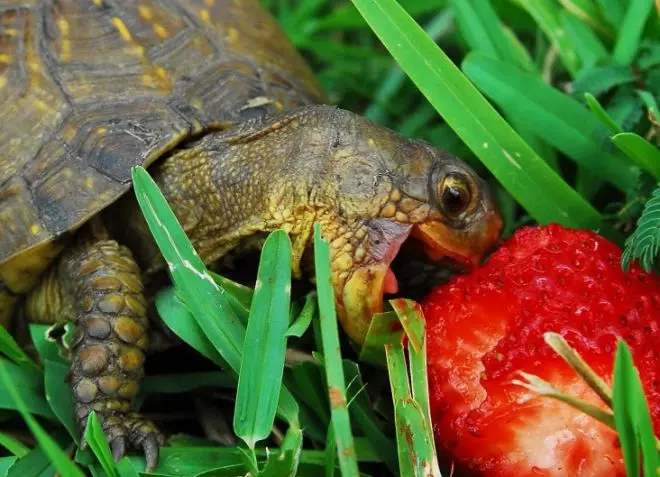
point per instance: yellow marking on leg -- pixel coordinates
(3, 81)
(122, 29)
(205, 15)
(63, 25)
(10, 31)
(148, 80)
(89, 182)
(5, 58)
(35, 229)
(65, 54)
(101, 130)
(234, 36)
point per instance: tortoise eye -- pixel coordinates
(455, 194)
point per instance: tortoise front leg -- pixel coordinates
(102, 282)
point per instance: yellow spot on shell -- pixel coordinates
(65, 54)
(371, 142)
(209, 3)
(233, 34)
(122, 29)
(5, 58)
(147, 80)
(205, 15)
(89, 182)
(35, 229)
(3, 81)
(101, 130)
(10, 31)
(137, 50)
(196, 103)
(160, 31)
(145, 12)
(98, 3)
(63, 25)
(41, 105)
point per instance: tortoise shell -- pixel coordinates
(91, 88)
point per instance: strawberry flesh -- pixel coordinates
(486, 326)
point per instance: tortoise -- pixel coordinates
(212, 96)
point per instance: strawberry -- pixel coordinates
(486, 326)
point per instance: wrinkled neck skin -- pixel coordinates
(274, 172)
(315, 164)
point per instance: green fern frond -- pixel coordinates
(644, 244)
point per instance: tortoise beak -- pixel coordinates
(361, 295)
(466, 247)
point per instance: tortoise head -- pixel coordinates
(391, 189)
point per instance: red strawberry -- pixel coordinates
(486, 326)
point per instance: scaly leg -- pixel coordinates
(98, 282)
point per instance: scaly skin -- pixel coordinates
(368, 187)
(97, 284)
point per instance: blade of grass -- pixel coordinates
(640, 151)
(416, 451)
(98, 442)
(546, 14)
(383, 329)
(24, 380)
(587, 44)
(260, 377)
(627, 42)
(529, 179)
(555, 117)
(301, 324)
(13, 445)
(624, 416)
(57, 456)
(589, 13)
(601, 114)
(207, 302)
(340, 418)
(613, 10)
(11, 350)
(285, 462)
(179, 319)
(483, 31)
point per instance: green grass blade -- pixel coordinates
(304, 319)
(239, 296)
(640, 151)
(599, 80)
(527, 177)
(601, 114)
(200, 294)
(60, 396)
(57, 456)
(203, 297)
(415, 448)
(546, 14)
(589, 13)
(363, 414)
(587, 44)
(13, 445)
(179, 319)
(334, 370)
(330, 453)
(30, 390)
(630, 411)
(5, 464)
(630, 33)
(260, 378)
(11, 350)
(555, 117)
(383, 329)
(97, 441)
(412, 318)
(285, 462)
(483, 31)
(613, 10)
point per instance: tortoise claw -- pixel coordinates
(151, 448)
(118, 448)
